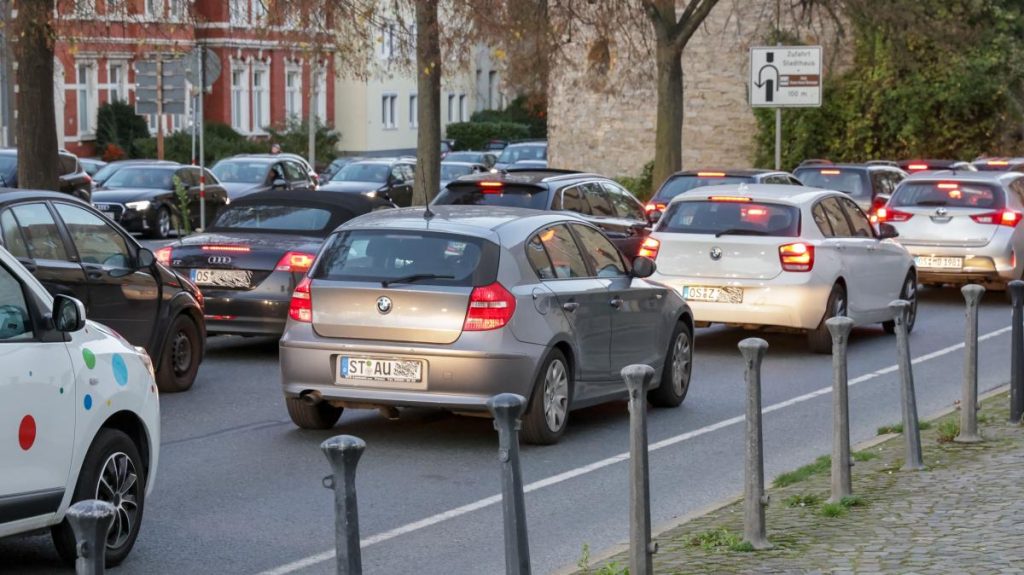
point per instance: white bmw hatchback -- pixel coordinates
(780, 256)
(79, 416)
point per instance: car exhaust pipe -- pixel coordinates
(311, 397)
(389, 412)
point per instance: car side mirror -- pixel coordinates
(643, 267)
(887, 231)
(145, 258)
(68, 314)
(279, 183)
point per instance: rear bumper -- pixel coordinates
(992, 263)
(245, 313)
(457, 376)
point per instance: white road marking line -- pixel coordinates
(572, 473)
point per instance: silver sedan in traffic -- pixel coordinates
(446, 308)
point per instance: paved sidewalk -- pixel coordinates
(964, 514)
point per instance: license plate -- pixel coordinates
(373, 369)
(222, 278)
(713, 294)
(939, 262)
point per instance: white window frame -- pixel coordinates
(241, 94)
(89, 93)
(386, 50)
(388, 105)
(116, 90)
(238, 12)
(260, 98)
(293, 93)
(258, 11)
(414, 111)
(151, 6)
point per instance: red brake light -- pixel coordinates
(948, 186)
(301, 306)
(490, 307)
(891, 215)
(998, 163)
(234, 249)
(163, 255)
(831, 172)
(917, 167)
(654, 207)
(1007, 218)
(649, 249)
(728, 199)
(710, 174)
(295, 262)
(796, 257)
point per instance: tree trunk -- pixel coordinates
(668, 143)
(428, 88)
(36, 127)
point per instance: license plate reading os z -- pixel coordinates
(222, 278)
(728, 294)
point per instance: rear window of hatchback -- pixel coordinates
(681, 184)
(731, 216)
(948, 195)
(849, 181)
(494, 193)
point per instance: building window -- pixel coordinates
(451, 108)
(85, 8)
(154, 8)
(321, 95)
(293, 93)
(387, 41)
(260, 97)
(492, 89)
(414, 112)
(87, 95)
(239, 12)
(387, 111)
(259, 11)
(463, 111)
(117, 7)
(117, 87)
(178, 9)
(240, 94)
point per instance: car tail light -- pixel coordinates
(830, 172)
(917, 167)
(224, 248)
(163, 255)
(295, 262)
(1007, 218)
(891, 215)
(710, 174)
(797, 257)
(491, 187)
(301, 306)
(649, 249)
(490, 307)
(654, 207)
(998, 163)
(729, 199)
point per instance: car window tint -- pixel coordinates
(836, 218)
(793, 181)
(40, 232)
(95, 240)
(294, 172)
(397, 175)
(210, 178)
(187, 177)
(12, 235)
(626, 206)
(572, 201)
(15, 323)
(539, 259)
(822, 220)
(600, 205)
(861, 225)
(603, 256)
(564, 253)
(408, 171)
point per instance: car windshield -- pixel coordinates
(680, 184)
(241, 171)
(948, 194)
(852, 182)
(105, 172)
(450, 172)
(363, 173)
(383, 255)
(8, 166)
(730, 217)
(513, 154)
(464, 157)
(511, 196)
(273, 217)
(142, 177)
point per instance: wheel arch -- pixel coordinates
(567, 350)
(131, 425)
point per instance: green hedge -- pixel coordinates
(118, 124)
(641, 186)
(473, 135)
(220, 142)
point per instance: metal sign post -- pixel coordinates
(160, 89)
(204, 69)
(785, 77)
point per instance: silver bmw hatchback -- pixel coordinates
(449, 307)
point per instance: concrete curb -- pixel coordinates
(658, 530)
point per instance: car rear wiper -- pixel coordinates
(740, 232)
(415, 278)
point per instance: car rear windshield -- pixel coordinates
(452, 171)
(680, 184)
(241, 171)
(513, 154)
(473, 194)
(853, 182)
(731, 217)
(420, 258)
(948, 194)
(273, 217)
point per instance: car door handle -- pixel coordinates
(616, 302)
(570, 306)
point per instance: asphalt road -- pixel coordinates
(239, 487)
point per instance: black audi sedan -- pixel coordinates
(73, 250)
(143, 198)
(248, 262)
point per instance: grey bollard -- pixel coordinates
(638, 377)
(343, 453)
(1016, 288)
(507, 408)
(911, 434)
(969, 399)
(90, 520)
(842, 483)
(754, 500)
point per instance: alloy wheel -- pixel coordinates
(910, 295)
(556, 395)
(119, 485)
(163, 223)
(682, 357)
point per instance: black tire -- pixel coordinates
(907, 292)
(536, 427)
(181, 354)
(163, 223)
(114, 447)
(672, 392)
(819, 340)
(307, 416)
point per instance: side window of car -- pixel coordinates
(95, 240)
(539, 259)
(187, 177)
(572, 201)
(40, 232)
(294, 172)
(776, 179)
(211, 180)
(879, 183)
(564, 253)
(276, 173)
(600, 205)
(836, 218)
(603, 256)
(626, 206)
(861, 225)
(793, 181)
(895, 178)
(68, 164)
(13, 240)
(408, 172)
(397, 174)
(15, 322)
(818, 211)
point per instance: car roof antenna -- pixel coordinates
(427, 213)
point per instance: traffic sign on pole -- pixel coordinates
(785, 77)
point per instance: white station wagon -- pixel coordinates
(79, 416)
(780, 256)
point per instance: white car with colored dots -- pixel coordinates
(79, 416)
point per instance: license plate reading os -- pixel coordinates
(408, 371)
(726, 294)
(942, 263)
(222, 278)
